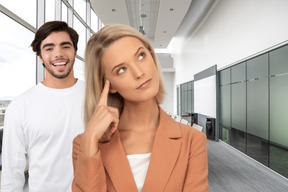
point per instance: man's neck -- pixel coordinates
(59, 83)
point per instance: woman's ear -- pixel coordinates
(111, 90)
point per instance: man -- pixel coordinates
(41, 123)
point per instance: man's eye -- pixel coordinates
(121, 70)
(48, 49)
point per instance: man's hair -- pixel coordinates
(49, 27)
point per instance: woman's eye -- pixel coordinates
(121, 70)
(141, 56)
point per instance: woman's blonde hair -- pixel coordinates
(94, 71)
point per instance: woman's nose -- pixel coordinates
(138, 72)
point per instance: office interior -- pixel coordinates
(225, 63)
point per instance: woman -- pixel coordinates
(130, 144)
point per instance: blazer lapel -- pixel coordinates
(164, 155)
(117, 165)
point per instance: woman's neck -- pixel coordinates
(139, 116)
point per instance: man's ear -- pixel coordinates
(42, 61)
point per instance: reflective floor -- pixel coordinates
(271, 155)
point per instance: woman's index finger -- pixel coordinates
(104, 94)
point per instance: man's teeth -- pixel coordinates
(60, 63)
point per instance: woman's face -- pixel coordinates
(131, 70)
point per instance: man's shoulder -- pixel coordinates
(20, 101)
(26, 94)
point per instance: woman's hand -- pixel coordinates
(101, 126)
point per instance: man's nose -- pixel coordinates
(58, 52)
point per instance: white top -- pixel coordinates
(139, 164)
(41, 123)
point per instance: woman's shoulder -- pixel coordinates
(191, 132)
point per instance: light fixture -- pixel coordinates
(141, 30)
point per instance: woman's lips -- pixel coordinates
(145, 84)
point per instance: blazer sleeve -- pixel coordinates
(89, 172)
(197, 173)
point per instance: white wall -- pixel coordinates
(169, 86)
(166, 63)
(232, 31)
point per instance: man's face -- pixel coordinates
(58, 54)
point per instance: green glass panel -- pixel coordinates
(225, 105)
(225, 76)
(279, 61)
(279, 110)
(238, 72)
(257, 108)
(239, 106)
(225, 135)
(257, 67)
(189, 101)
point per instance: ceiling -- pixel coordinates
(160, 18)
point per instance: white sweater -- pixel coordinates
(42, 123)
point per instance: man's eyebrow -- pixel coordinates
(61, 44)
(66, 43)
(48, 45)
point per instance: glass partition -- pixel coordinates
(257, 96)
(238, 97)
(257, 108)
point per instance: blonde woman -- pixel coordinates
(130, 144)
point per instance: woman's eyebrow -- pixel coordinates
(123, 63)
(138, 50)
(116, 66)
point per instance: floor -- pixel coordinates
(230, 170)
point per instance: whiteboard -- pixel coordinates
(205, 96)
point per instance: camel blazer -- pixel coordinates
(178, 162)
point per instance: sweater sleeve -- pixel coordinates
(89, 172)
(197, 173)
(13, 150)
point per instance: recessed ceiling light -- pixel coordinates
(143, 15)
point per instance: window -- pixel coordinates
(81, 30)
(28, 14)
(17, 61)
(80, 8)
